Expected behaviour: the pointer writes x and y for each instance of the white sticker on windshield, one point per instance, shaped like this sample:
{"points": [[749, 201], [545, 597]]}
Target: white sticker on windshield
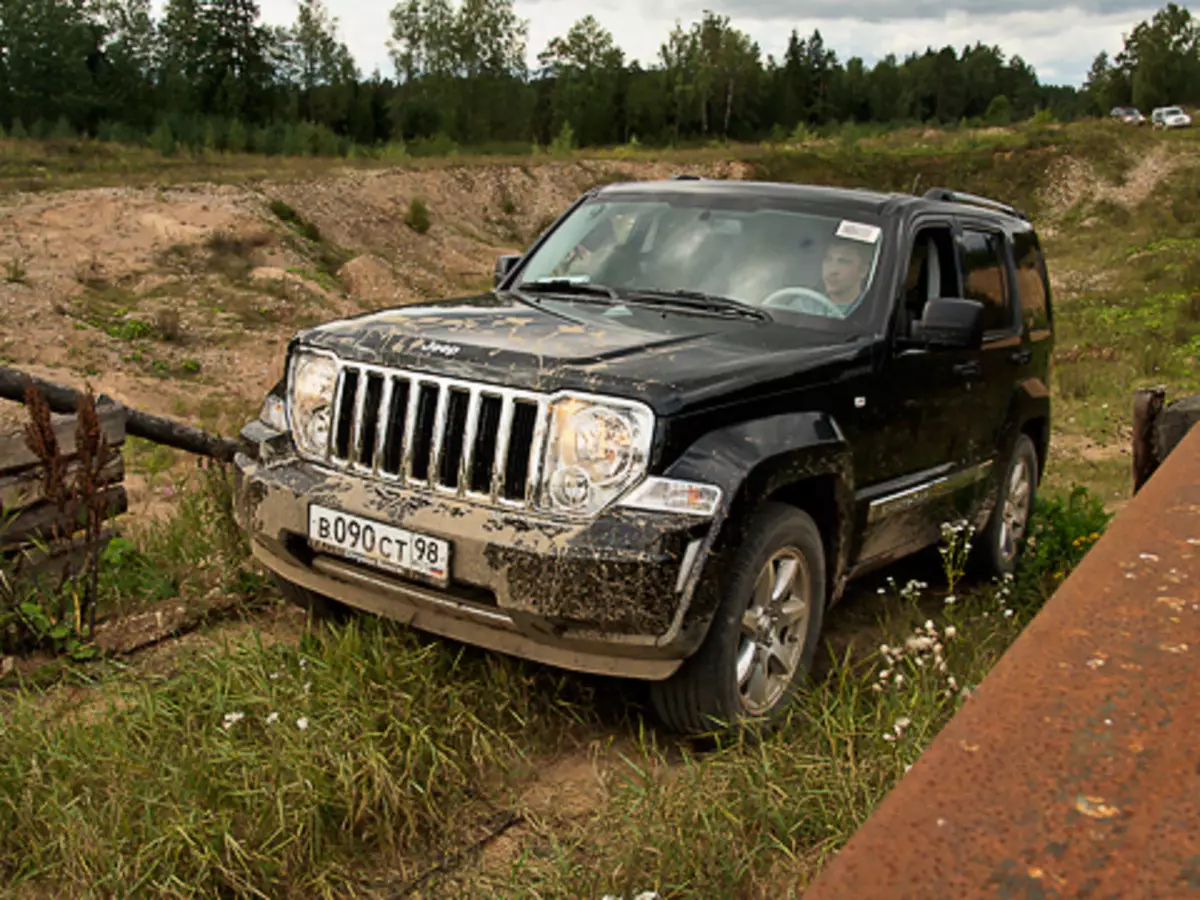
{"points": [[858, 231]]}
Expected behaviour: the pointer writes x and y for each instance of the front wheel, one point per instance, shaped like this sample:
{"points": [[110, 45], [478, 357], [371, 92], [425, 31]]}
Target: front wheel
{"points": [[762, 641], [1006, 531]]}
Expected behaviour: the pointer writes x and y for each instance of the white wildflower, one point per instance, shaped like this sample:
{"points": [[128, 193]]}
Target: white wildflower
{"points": [[902, 723], [231, 719], [951, 600], [877, 688], [885, 649], [885, 674], [273, 718], [307, 686], [899, 680], [302, 723], [919, 643], [951, 631], [942, 666], [889, 737], [1008, 613], [930, 628], [953, 684], [303, 663]]}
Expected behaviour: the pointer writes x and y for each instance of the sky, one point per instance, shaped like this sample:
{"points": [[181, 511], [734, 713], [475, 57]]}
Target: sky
{"points": [[1060, 42]]}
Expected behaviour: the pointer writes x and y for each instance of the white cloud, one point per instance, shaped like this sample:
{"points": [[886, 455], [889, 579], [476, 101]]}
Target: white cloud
{"points": [[1059, 43]]}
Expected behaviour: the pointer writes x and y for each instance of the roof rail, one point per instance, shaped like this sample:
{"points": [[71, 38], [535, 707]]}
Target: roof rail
{"points": [[948, 196]]}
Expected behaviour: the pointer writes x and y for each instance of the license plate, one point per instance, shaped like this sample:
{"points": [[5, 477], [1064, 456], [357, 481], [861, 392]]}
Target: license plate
{"points": [[378, 544]]}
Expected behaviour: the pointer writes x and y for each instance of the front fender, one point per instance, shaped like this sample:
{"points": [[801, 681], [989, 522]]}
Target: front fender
{"points": [[749, 462]]}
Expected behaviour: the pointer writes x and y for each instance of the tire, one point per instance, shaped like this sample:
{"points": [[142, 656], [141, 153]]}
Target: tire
{"points": [[706, 694], [1003, 538], [319, 607]]}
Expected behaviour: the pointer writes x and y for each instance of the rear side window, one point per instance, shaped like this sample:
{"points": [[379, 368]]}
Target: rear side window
{"points": [[1031, 281], [985, 277]]}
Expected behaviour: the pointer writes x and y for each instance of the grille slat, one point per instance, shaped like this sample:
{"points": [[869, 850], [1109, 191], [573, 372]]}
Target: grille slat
{"points": [[467, 460], [503, 439], [452, 436]]}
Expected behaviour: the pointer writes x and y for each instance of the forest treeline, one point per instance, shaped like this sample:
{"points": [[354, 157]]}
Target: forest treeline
{"points": [[211, 74]]}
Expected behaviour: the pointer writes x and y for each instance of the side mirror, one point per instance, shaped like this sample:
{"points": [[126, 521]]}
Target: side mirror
{"points": [[950, 323], [504, 265]]}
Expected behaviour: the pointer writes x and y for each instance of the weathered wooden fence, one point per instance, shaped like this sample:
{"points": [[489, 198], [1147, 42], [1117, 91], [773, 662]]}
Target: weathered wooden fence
{"points": [[1159, 427], [44, 503]]}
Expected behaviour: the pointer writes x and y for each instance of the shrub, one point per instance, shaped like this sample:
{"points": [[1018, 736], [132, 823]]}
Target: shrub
{"points": [[418, 216], [999, 111], [1061, 533], [564, 143]]}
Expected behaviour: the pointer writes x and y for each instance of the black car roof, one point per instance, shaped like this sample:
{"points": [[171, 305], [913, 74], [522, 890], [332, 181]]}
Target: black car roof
{"points": [[851, 199]]}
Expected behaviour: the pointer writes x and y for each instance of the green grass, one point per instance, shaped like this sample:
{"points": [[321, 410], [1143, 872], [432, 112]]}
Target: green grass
{"points": [[1137, 324], [364, 755]]}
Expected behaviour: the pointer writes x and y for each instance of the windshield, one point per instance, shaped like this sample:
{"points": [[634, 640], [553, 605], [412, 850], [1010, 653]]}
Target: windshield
{"points": [[1172, 111], [788, 263]]}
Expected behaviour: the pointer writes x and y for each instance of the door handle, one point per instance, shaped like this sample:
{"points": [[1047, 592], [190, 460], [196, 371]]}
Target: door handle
{"points": [[1021, 357], [967, 369]]}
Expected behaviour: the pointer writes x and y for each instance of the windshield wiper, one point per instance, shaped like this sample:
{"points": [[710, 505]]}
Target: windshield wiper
{"points": [[701, 300], [568, 286]]}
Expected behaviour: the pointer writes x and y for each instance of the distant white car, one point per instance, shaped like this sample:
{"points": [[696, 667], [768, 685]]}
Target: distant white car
{"points": [[1170, 117]]}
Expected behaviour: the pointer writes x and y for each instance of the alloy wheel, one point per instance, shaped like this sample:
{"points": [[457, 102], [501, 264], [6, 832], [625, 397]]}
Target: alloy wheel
{"points": [[773, 631]]}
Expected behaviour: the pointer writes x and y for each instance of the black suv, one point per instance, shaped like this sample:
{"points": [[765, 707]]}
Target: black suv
{"points": [[679, 424]]}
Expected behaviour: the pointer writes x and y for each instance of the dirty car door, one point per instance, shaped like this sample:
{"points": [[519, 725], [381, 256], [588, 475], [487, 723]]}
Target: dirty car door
{"points": [[921, 398]]}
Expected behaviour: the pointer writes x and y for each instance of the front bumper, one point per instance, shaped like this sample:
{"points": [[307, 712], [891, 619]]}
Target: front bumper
{"points": [[608, 596]]}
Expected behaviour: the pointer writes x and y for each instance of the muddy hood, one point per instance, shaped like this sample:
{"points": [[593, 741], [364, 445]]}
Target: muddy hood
{"points": [[672, 360]]}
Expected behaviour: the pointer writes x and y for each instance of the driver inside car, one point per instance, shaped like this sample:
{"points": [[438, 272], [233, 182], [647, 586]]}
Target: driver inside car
{"points": [[844, 271]]}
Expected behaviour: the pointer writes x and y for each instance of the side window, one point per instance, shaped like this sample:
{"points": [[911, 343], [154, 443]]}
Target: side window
{"points": [[1032, 294], [985, 277], [931, 273]]}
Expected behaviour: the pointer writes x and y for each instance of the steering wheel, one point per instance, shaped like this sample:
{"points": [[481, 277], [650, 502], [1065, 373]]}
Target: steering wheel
{"points": [[827, 306]]}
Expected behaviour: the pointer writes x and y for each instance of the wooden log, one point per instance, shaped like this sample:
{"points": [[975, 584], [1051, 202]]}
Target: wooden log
{"points": [[60, 398], [24, 489], [15, 455], [1147, 404], [71, 556], [1173, 423], [38, 522]]}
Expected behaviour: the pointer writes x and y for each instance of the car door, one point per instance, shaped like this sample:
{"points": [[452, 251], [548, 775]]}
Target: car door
{"points": [[921, 397], [988, 276]]}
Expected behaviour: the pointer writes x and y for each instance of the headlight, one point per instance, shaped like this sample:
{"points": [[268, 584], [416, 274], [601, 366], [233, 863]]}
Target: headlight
{"points": [[596, 450], [310, 401]]}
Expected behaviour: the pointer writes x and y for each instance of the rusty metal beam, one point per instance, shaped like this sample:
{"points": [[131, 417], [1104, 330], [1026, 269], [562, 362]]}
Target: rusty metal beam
{"points": [[1074, 769]]}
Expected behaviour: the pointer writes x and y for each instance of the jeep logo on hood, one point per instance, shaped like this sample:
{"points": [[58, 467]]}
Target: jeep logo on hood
{"points": [[439, 348]]}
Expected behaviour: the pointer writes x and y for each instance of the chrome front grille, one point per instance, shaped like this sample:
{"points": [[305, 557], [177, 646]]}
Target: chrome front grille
{"points": [[456, 437]]}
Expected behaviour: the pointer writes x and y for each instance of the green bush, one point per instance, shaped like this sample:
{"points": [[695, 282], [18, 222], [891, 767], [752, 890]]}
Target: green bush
{"points": [[1063, 529], [565, 142], [999, 111], [418, 216]]}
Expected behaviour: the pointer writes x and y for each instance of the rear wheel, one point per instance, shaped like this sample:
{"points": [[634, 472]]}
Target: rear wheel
{"points": [[1004, 537], [761, 643]]}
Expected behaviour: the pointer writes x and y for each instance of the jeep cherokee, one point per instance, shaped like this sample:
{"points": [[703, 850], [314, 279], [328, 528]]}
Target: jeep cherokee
{"points": [[675, 429]]}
